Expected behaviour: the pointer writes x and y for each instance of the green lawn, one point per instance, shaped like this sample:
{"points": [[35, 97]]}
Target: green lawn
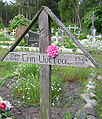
{"points": [[6, 68]]}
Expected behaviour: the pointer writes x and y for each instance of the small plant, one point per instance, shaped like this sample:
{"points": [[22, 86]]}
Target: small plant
{"points": [[1, 82], [22, 43], [56, 88], [70, 103], [67, 115]]}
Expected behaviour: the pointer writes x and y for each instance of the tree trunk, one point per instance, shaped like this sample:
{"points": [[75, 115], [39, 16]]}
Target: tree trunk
{"points": [[22, 10], [28, 3], [19, 10], [6, 19], [1, 15], [27, 15]]}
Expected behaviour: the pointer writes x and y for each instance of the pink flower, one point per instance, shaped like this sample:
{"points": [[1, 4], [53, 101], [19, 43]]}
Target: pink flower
{"points": [[52, 51], [57, 98]]}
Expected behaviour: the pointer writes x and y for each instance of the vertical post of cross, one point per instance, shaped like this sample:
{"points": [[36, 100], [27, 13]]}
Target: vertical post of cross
{"points": [[45, 70]]}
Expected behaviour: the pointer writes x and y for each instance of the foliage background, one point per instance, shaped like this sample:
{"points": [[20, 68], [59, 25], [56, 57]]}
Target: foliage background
{"points": [[98, 22], [69, 11]]}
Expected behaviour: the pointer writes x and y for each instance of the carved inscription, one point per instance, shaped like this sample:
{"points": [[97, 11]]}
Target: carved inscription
{"points": [[61, 59]]}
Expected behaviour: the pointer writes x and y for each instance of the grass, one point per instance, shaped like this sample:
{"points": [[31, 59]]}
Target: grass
{"points": [[28, 80], [3, 38], [6, 68], [67, 115], [98, 93], [1, 82], [3, 51], [98, 58], [28, 77], [7, 44], [72, 74]]}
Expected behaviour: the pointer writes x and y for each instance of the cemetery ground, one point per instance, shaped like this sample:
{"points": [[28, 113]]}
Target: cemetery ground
{"points": [[19, 83]]}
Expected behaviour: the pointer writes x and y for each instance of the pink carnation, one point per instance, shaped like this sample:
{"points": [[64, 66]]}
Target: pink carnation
{"points": [[52, 51]]}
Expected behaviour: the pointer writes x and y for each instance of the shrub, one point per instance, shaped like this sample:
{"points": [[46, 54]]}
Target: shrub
{"points": [[82, 37], [67, 44], [35, 27], [18, 21]]}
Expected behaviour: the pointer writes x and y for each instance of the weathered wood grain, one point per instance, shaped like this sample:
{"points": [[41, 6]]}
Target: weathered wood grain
{"points": [[45, 70], [41, 58], [61, 25]]}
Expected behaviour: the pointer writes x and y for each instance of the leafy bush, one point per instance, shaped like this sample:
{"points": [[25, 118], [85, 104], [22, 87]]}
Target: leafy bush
{"points": [[68, 44], [22, 43], [35, 27], [82, 37], [18, 21], [54, 25], [98, 23]]}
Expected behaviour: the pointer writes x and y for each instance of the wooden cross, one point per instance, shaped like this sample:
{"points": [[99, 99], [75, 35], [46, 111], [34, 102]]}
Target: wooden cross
{"points": [[44, 17]]}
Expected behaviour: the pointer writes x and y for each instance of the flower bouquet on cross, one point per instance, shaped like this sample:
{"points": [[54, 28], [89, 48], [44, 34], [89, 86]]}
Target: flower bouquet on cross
{"points": [[52, 51], [4, 107]]}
